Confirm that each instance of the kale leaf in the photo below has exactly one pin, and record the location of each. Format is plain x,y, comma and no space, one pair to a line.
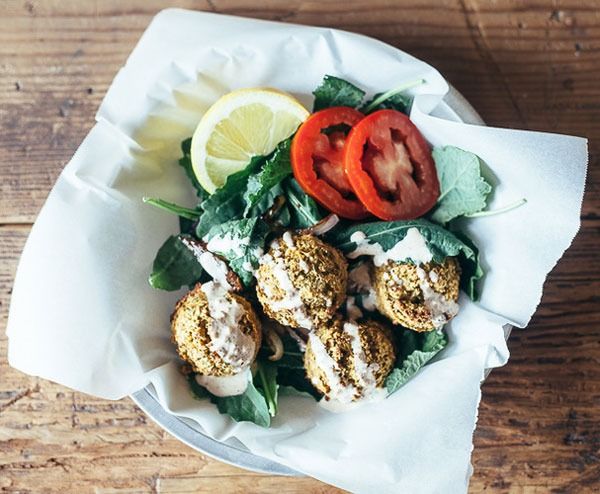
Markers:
174,266
416,349
304,211
275,168
244,241
462,188
266,382
398,101
334,91
250,406
227,202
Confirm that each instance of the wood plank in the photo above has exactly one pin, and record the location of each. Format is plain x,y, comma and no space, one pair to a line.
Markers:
533,65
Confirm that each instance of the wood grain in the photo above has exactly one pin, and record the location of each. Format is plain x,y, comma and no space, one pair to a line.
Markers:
529,65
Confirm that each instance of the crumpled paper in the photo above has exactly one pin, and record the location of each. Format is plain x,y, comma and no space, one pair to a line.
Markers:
83,314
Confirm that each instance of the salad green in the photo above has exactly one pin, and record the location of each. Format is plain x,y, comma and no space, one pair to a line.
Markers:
261,200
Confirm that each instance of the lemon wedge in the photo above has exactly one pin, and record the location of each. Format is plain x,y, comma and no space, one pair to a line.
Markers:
240,125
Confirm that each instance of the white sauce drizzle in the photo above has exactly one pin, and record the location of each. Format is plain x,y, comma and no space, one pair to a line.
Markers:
359,281
338,391
291,300
248,263
288,240
214,266
226,337
226,385
412,246
365,372
440,308
227,243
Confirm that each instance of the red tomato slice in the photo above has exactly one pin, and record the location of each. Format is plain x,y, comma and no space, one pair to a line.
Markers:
318,161
389,165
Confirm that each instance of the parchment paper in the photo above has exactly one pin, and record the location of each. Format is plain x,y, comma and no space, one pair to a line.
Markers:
83,314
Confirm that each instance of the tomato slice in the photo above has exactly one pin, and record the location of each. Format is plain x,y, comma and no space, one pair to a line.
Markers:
389,165
318,161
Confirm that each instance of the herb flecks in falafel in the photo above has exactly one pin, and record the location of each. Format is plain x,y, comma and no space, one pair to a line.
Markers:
419,297
301,281
349,361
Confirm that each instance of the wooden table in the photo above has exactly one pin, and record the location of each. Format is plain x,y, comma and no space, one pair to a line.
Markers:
535,67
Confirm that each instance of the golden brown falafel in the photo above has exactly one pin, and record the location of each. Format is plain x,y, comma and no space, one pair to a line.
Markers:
359,356
301,281
191,329
421,298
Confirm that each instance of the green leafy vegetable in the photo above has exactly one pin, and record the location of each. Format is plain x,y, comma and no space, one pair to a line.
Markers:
266,376
293,357
275,168
295,379
334,91
249,192
440,242
392,99
181,211
303,210
250,406
227,202
187,226
416,349
400,102
244,240
463,190
186,163
291,374
174,266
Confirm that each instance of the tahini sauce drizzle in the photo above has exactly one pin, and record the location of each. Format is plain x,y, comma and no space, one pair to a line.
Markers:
412,246
343,395
226,385
440,308
291,300
226,338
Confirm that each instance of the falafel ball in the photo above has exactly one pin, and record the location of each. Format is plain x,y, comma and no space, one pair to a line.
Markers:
217,332
421,298
301,281
347,361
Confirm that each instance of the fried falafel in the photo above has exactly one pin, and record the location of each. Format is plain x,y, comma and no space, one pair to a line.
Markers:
301,281
217,332
419,297
348,361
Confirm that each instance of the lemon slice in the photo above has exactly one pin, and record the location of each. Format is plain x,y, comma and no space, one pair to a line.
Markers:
240,125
